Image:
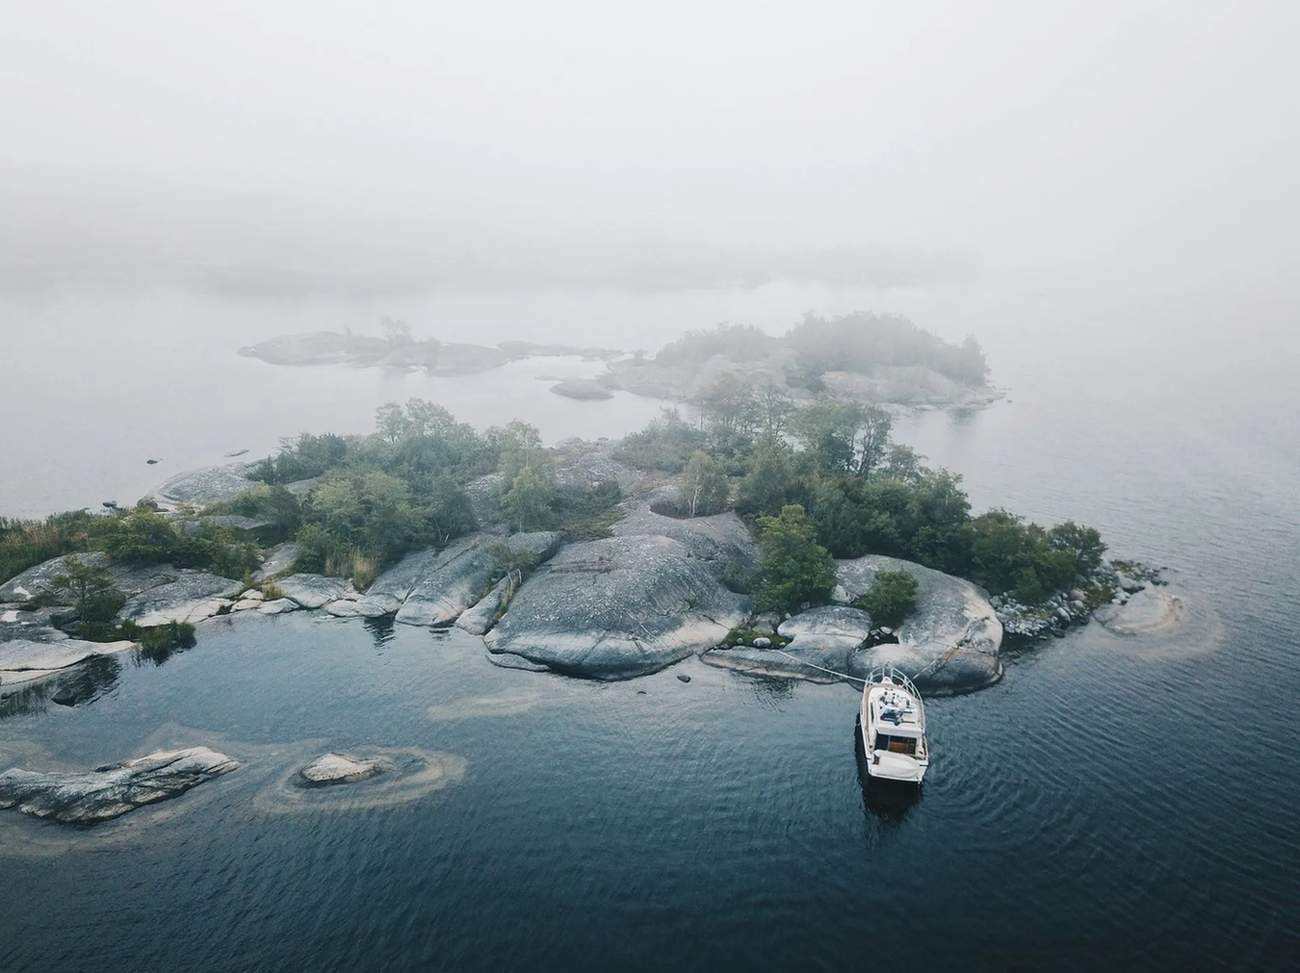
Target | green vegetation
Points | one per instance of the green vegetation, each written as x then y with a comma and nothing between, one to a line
145,536
89,589
666,444
793,568
890,599
859,342
26,543
745,636
704,486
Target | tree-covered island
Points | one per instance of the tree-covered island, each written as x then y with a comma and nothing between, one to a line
760,527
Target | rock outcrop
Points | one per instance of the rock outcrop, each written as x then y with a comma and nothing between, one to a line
27,660
582,389
827,638
723,540
315,590
107,792
950,641
460,574
617,608
190,596
483,616
335,768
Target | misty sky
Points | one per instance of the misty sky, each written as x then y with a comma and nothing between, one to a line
284,147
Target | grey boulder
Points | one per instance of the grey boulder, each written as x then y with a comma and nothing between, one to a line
315,590
617,608
825,644
110,791
950,641
190,597
459,575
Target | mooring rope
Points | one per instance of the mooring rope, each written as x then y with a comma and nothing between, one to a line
813,665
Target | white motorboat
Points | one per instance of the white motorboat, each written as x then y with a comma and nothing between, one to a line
893,727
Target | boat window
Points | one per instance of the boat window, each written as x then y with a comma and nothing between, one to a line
894,744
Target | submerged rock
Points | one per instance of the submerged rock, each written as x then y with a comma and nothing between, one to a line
110,791
1149,610
616,608
335,768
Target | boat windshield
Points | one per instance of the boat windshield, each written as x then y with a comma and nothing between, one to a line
895,744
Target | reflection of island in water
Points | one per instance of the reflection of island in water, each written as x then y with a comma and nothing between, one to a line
83,683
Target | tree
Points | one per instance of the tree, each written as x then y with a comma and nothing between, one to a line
774,408
528,502
872,438
890,599
901,463
776,476
793,568
142,537
89,589
704,486
1082,543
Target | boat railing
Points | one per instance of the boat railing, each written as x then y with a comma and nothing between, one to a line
899,678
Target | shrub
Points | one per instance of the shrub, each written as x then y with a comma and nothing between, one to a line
665,444
704,486
26,543
890,599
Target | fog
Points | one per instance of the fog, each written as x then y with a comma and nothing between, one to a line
305,150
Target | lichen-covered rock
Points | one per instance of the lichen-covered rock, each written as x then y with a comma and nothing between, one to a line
458,576
722,540
206,486
315,590
617,608
335,768
950,641
107,792
190,597
41,580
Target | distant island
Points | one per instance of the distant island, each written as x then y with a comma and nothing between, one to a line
772,534
884,359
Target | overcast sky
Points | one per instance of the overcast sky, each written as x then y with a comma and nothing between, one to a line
267,146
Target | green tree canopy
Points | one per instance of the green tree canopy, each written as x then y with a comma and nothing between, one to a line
793,568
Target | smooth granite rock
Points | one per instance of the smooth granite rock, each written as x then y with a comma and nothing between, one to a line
41,580
950,642
206,486
483,616
315,590
26,660
277,607
107,792
459,575
279,560
617,608
722,540
824,641
191,597
335,768
388,591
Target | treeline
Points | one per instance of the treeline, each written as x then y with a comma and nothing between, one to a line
853,342
403,487
753,449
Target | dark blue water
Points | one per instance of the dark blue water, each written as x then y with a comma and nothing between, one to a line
1122,802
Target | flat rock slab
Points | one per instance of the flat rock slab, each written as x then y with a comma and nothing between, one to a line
316,590
24,660
128,579
721,540
191,597
206,486
276,607
107,792
336,768
617,608
950,641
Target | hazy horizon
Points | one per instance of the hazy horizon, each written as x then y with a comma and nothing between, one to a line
295,152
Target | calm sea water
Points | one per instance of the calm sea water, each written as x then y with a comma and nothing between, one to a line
1127,802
